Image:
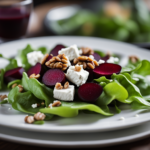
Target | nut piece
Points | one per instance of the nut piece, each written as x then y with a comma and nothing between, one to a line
35,76
66,85
14,85
56,103
2,97
77,68
133,58
60,62
20,88
58,86
29,119
87,51
87,62
39,116
44,59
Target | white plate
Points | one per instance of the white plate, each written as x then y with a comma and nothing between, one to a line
76,140
83,122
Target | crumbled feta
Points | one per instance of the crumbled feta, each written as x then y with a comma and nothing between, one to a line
35,57
65,94
91,56
71,52
80,51
76,77
34,105
6,99
112,60
101,61
136,115
121,118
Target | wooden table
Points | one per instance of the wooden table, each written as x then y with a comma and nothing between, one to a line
35,30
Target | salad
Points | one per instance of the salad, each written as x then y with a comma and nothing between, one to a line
66,80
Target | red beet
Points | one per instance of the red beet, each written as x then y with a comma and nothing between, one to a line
52,76
37,69
55,50
49,57
106,69
97,57
90,77
89,92
105,58
13,74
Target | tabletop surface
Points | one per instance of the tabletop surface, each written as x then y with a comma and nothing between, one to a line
35,30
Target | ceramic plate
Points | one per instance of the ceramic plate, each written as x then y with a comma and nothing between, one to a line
83,122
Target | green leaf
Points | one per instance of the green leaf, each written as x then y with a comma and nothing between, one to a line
25,81
23,101
2,79
71,109
9,86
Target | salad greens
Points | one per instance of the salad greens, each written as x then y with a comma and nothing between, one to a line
131,87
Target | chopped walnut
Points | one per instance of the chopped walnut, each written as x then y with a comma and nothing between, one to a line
29,119
58,86
77,68
2,97
87,51
87,62
66,85
20,88
56,103
60,62
133,58
39,116
14,85
35,76
44,59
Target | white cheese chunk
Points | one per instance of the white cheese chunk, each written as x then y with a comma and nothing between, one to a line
76,77
80,51
113,60
34,105
65,94
121,118
71,52
91,56
35,57
101,61
68,62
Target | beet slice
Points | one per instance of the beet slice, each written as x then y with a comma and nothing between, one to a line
52,76
49,57
37,69
106,69
97,57
90,77
105,58
89,92
13,74
57,48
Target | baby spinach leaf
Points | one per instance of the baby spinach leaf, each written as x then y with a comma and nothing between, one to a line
25,81
23,101
1,79
41,91
9,86
71,109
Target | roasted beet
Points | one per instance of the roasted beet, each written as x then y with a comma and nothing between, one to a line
52,76
89,92
105,58
37,69
13,74
49,57
55,50
96,56
90,77
106,69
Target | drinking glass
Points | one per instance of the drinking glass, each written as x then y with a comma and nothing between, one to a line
14,18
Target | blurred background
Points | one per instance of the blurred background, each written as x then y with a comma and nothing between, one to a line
122,20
